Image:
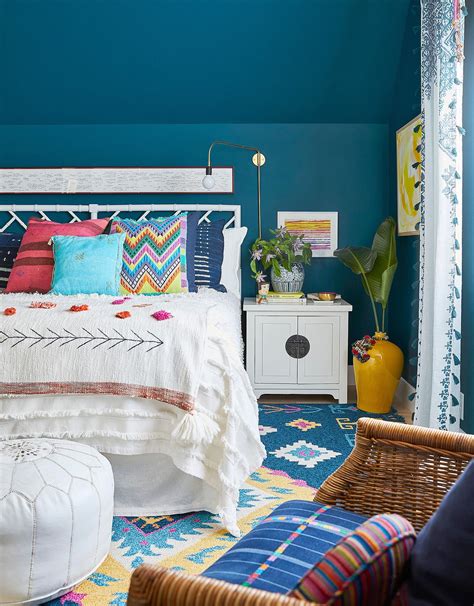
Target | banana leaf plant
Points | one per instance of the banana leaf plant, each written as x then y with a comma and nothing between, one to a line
376,266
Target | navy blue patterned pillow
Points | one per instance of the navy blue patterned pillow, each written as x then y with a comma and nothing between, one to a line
281,549
209,254
9,245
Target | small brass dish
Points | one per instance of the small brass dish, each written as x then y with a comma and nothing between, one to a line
327,296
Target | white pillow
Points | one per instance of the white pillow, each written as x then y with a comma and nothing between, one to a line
230,276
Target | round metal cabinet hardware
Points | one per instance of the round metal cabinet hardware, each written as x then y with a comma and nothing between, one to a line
297,346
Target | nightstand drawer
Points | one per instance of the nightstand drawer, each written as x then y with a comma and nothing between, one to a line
321,363
272,363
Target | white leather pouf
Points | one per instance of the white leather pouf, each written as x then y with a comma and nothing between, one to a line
56,508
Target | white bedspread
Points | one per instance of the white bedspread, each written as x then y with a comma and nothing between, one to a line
136,426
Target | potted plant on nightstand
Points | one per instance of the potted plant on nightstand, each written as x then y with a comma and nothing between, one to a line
378,363
285,256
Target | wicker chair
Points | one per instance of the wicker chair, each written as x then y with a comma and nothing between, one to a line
393,468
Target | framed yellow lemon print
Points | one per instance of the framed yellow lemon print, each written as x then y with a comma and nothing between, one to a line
409,177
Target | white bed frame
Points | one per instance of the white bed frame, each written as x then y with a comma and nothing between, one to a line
92,211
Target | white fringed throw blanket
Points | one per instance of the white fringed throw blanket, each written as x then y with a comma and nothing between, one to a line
181,391
53,350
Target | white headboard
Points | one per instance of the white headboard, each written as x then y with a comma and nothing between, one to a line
17,215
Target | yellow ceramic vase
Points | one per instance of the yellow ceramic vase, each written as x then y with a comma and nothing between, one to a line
377,378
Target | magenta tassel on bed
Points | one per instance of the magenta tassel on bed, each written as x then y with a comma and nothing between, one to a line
161,315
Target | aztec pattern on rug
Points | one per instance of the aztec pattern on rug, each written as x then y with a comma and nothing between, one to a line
305,443
154,255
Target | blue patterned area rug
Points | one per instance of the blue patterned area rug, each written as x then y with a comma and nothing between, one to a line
310,441
305,443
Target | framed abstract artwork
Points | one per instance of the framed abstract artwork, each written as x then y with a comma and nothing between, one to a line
409,177
319,229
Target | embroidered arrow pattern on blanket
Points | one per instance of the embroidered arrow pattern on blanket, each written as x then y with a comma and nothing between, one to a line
64,337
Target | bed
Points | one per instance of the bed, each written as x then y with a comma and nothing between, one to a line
169,403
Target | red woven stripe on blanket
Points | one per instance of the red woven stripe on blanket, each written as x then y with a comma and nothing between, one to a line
180,400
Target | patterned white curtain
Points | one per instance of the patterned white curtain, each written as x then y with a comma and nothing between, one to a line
437,401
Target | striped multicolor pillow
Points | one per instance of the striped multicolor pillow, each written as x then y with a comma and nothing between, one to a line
365,567
33,267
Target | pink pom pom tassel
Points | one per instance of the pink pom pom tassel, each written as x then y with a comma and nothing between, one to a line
161,315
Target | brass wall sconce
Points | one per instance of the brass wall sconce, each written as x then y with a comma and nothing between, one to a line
258,159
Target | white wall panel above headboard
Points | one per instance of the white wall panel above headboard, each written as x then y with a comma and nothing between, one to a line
116,180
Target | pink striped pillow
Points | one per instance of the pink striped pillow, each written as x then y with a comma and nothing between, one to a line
365,567
33,267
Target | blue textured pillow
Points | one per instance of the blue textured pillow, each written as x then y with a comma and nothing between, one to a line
9,245
441,564
281,549
84,265
209,255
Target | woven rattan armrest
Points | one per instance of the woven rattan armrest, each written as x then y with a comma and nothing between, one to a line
156,586
398,468
393,468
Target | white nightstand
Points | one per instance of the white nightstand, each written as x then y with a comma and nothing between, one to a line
294,348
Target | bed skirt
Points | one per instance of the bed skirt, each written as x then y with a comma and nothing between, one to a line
150,485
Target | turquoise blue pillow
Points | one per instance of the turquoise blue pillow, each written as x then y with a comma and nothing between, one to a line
84,265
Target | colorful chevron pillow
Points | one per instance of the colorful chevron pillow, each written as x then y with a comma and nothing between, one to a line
154,255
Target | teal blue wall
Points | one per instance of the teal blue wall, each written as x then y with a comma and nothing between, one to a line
153,82
327,167
467,375
198,61
403,313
